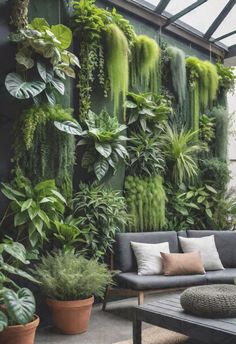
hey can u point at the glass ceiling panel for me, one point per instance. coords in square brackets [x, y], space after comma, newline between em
[148, 3]
[227, 26]
[176, 6]
[203, 16]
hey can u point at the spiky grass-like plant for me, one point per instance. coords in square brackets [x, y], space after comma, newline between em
[180, 150]
[222, 118]
[117, 59]
[178, 72]
[145, 64]
[146, 203]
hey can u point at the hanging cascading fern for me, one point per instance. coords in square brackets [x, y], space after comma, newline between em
[145, 64]
[117, 60]
[41, 151]
[206, 75]
[146, 203]
[178, 72]
[222, 118]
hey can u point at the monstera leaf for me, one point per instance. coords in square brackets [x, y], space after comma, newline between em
[3, 321]
[21, 89]
[20, 306]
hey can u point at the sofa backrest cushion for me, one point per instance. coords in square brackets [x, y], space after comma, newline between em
[124, 255]
[225, 244]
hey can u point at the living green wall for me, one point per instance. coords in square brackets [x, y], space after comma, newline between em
[56, 11]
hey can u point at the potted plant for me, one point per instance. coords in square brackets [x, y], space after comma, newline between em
[18, 321]
[70, 283]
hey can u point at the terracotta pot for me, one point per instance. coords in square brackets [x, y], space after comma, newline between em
[71, 317]
[20, 334]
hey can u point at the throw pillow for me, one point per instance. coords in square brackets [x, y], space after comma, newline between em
[148, 257]
[206, 247]
[182, 263]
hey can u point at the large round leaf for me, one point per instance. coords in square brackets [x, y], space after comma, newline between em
[3, 321]
[20, 306]
[21, 89]
[63, 34]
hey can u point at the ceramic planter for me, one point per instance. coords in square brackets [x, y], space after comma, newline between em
[20, 334]
[71, 317]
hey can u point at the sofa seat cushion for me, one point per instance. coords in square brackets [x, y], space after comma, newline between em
[132, 280]
[222, 276]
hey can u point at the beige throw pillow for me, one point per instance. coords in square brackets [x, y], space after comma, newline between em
[182, 264]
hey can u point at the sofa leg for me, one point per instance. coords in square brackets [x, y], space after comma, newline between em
[105, 299]
[140, 298]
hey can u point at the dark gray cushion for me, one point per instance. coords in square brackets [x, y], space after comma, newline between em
[221, 276]
[133, 281]
[124, 256]
[225, 244]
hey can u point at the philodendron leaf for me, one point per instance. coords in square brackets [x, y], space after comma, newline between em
[16, 250]
[63, 34]
[20, 306]
[58, 85]
[21, 89]
[3, 321]
[39, 24]
[101, 168]
[69, 127]
[45, 72]
[104, 149]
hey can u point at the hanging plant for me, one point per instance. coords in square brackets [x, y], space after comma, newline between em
[103, 142]
[227, 79]
[178, 72]
[42, 152]
[222, 118]
[207, 129]
[145, 64]
[146, 203]
[42, 60]
[203, 74]
[94, 26]
[117, 59]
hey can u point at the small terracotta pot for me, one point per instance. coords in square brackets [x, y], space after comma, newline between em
[20, 334]
[71, 317]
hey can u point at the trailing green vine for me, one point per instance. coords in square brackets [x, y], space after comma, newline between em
[145, 64]
[41, 151]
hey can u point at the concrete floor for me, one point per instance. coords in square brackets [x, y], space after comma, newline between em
[108, 327]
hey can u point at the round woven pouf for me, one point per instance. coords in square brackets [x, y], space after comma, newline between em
[210, 301]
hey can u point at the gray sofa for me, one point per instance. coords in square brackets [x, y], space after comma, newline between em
[128, 282]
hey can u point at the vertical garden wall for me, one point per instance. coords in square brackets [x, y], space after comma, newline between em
[144, 146]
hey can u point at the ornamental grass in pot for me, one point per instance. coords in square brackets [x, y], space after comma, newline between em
[70, 283]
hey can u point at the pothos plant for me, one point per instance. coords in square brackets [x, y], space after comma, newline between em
[102, 140]
[43, 63]
[19, 302]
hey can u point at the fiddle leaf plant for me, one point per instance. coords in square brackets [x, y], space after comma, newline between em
[103, 140]
[34, 208]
